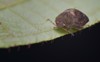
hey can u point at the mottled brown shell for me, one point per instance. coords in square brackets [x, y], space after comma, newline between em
[71, 18]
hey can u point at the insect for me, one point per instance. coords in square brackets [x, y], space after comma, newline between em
[71, 18]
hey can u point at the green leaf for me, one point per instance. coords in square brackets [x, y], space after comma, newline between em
[24, 22]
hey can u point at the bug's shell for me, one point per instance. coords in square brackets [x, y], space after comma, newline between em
[71, 18]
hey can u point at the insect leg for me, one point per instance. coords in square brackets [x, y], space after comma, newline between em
[69, 31]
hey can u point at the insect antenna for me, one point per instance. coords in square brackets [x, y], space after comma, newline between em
[51, 22]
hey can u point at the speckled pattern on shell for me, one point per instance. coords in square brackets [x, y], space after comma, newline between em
[71, 18]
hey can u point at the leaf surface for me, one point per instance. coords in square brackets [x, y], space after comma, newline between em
[24, 22]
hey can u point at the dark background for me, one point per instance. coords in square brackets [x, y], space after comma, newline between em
[82, 47]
